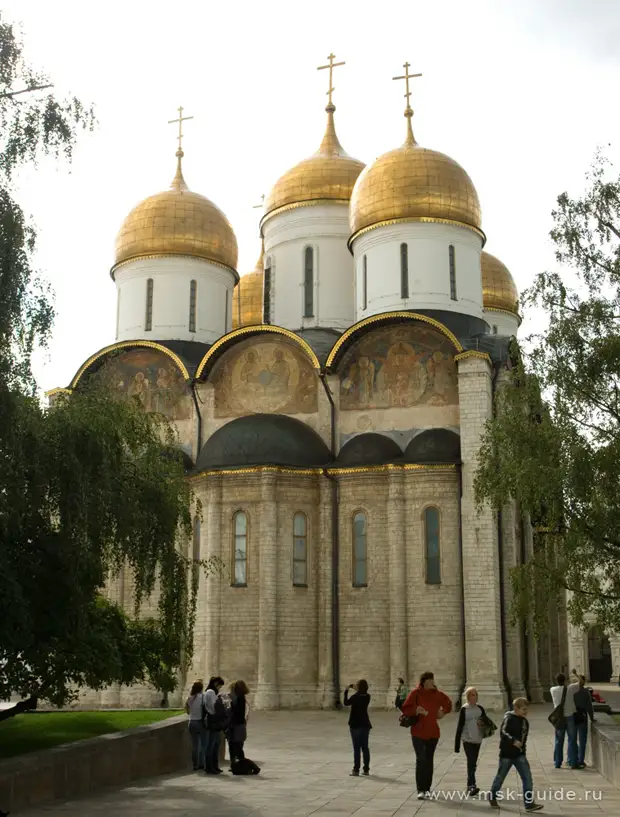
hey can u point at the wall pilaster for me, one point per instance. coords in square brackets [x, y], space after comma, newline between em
[267, 696]
[614, 643]
[397, 582]
[212, 584]
[323, 580]
[481, 588]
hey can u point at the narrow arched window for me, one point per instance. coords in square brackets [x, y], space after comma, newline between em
[431, 545]
[267, 293]
[404, 271]
[452, 258]
[193, 289]
[494, 329]
[360, 550]
[196, 549]
[300, 550]
[240, 549]
[364, 282]
[226, 302]
[148, 320]
[118, 312]
[308, 282]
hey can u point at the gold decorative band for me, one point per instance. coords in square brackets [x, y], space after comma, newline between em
[142, 256]
[252, 330]
[57, 390]
[125, 345]
[385, 316]
[416, 220]
[502, 311]
[310, 472]
[473, 353]
[295, 206]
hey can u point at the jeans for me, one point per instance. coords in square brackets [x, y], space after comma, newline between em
[523, 768]
[582, 740]
[424, 755]
[359, 738]
[569, 729]
[212, 750]
[472, 750]
[198, 734]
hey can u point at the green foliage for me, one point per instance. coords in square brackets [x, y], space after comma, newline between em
[555, 441]
[34, 732]
[88, 489]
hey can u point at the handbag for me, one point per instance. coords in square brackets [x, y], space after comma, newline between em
[407, 721]
[557, 718]
[488, 728]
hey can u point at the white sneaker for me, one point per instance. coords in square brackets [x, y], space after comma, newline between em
[427, 795]
[421, 795]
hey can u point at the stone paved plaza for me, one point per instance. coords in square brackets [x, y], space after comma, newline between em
[306, 760]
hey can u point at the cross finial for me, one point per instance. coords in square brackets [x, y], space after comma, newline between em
[407, 76]
[180, 120]
[331, 65]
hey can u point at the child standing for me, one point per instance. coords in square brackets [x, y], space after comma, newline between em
[512, 742]
[469, 730]
[359, 725]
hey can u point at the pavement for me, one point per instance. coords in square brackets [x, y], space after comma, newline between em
[306, 760]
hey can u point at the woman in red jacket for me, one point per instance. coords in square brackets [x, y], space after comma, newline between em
[428, 705]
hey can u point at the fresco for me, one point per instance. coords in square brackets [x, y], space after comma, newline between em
[264, 376]
[151, 377]
[399, 366]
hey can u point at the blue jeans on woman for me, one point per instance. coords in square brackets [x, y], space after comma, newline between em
[212, 750]
[198, 734]
[359, 738]
[570, 729]
[523, 768]
[582, 740]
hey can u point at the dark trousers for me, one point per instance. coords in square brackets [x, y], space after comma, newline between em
[212, 751]
[472, 750]
[582, 739]
[523, 768]
[424, 755]
[359, 738]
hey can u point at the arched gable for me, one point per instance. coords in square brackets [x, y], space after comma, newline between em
[91, 364]
[225, 342]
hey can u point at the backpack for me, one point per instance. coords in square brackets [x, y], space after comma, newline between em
[218, 722]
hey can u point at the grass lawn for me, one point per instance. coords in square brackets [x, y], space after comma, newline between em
[31, 732]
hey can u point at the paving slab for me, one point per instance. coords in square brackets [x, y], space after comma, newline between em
[306, 759]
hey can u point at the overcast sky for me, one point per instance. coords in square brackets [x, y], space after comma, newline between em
[519, 93]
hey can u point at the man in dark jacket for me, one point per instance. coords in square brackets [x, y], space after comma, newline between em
[512, 743]
[583, 711]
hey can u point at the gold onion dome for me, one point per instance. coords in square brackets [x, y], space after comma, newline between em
[177, 222]
[327, 175]
[499, 290]
[413, 183]
[247, 302]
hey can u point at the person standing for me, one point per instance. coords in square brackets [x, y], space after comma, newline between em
[427, 705]
[401, 693]
[197, 731]
[512, 743]
[237, 729]
[563, 694]
[216, 721]
[583, 711]
[470, 730]
[359, 724]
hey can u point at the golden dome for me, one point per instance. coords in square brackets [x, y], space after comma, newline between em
[247, 303]
[329, 175]
[499, 290]
[413, 183]
[177, 222]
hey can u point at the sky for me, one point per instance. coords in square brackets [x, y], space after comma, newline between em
[521, 94]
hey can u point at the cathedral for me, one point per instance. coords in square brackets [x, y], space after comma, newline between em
[330, 406]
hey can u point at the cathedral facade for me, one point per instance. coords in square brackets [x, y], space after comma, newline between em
[330, 406]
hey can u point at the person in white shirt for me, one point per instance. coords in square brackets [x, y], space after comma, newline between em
[216, 721]
[570, 727]
[197, 731]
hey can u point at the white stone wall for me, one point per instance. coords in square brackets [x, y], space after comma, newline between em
[171, 277]
[502, 323]
[428, 265]
[325, 228]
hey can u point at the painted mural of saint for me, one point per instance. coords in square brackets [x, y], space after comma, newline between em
[140, 388]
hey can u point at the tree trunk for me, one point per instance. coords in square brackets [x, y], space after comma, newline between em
[21, 706]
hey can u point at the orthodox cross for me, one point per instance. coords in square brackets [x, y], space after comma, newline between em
[331, 65]
[180, 120]
[407, 76]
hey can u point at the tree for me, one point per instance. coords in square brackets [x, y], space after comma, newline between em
[554, 443]
[91, 487]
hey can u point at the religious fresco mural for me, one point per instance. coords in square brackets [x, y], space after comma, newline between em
[152, 378]
[399, 366]
[264, 375]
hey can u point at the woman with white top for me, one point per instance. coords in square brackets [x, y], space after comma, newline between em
[197, 731]
[216, 722]
[563, 692]
[469, 730]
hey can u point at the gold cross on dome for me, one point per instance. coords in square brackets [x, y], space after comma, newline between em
[331, 65]
[407, 76]
[180, 120]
